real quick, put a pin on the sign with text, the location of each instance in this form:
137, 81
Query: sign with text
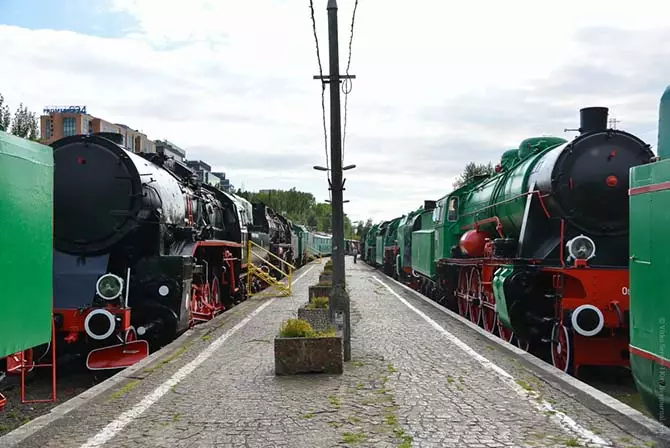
66, 109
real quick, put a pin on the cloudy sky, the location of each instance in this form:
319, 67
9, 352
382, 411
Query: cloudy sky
439, 82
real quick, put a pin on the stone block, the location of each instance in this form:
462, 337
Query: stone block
318, 318
308, 355
326, 277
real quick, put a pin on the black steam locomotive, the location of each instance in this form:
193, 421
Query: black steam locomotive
139, 232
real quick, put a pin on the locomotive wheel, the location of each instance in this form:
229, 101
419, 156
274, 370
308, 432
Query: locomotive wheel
489, 316
462, 292
215, 293
561, 347
505, 333
475, 296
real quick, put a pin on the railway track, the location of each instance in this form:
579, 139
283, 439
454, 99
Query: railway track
73, 379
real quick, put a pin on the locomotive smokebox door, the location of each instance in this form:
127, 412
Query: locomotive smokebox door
98, 193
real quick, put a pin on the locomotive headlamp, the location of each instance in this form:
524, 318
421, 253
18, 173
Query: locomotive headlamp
581, 248
109, 286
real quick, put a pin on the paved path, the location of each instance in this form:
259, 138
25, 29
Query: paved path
414, 380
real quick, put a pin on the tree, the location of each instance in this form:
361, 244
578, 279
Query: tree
24, 124
299, 207
5, 116
471, 170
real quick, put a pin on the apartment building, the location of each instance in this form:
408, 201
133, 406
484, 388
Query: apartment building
58, 122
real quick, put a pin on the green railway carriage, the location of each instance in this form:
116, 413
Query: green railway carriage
26, 211
319, 244
649, 265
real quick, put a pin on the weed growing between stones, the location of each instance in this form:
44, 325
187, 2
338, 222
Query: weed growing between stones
124, 390
317, 303
368, 411
348, 437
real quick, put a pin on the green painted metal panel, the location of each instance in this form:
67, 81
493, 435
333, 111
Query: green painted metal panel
392, 232
504, 194
423, 252
26, 267
379, 249
405, 238
649, 304
370, 243
655, 396
499, 276
664, 125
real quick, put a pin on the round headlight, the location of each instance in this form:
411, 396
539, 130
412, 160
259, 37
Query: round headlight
581, 248
109, 286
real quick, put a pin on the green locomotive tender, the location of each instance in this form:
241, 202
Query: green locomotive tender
26, 211
649, 264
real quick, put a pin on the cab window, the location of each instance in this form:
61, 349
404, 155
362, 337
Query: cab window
452, 210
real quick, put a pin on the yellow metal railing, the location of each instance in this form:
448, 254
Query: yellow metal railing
258, 272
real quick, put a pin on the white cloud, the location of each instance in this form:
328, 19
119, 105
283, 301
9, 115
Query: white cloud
439, 83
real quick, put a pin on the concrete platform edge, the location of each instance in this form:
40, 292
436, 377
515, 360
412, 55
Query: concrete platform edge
21, 433
582, 392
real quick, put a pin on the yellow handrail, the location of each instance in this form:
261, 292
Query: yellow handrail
270, 253
252, 269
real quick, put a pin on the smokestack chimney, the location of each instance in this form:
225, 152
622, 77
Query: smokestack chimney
429, 205
592, 119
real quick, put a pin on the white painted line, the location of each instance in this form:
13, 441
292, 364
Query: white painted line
111, 430
567, 423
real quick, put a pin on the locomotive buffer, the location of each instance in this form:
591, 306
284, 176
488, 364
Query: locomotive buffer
339, 300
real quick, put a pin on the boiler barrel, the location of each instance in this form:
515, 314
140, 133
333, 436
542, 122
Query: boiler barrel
100, 189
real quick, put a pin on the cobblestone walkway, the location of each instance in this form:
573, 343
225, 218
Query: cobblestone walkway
413, 381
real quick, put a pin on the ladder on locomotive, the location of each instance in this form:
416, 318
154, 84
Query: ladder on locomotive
263, 272
23, 363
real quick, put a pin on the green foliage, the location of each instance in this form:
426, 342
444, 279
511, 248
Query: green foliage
299, 207
299, 328
471, 170
318, 303
296, 328
5, 116
330, 333
24, 123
